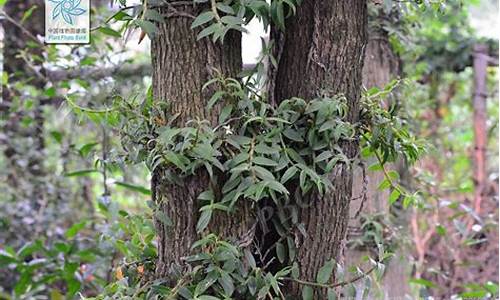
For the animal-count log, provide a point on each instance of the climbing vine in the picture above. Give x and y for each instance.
(256, 152)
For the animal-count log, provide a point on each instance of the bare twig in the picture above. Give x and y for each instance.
(23, 29)
(333, 285)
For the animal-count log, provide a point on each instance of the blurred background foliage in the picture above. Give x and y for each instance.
(75, 216)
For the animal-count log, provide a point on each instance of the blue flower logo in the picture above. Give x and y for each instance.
(68, 9)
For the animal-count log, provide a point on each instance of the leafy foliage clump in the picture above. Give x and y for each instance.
(255, 152)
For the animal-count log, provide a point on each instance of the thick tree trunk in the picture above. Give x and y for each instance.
(181, 66)
(323, 51)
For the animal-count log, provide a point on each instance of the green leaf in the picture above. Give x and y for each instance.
(366, 152)
(208, 31)
(225, 8)
(327, 126)
(323, 156)
(385, 184)
(57, 135)
(423, 282)
(331, 294)
(303, 180)
(441, 230)
(147, 26)
(280, 14)
(393, 175)
(325, 272)
(74, 229)
(120, 16)
(62, 247)
(73, 287)
(408, 200)
(206, 297)
(203, 220)
(375, 167)
(264, 149)
(28, 13)
(280, 252)
(207, 196)
(29, 248)
(154, 15)
(6, 258)
(225, 113)
(109, 31)
(278, 187)
(227, 284)
(231, 20)
(85, 149)
(50, 92)
(491, 287)
(307, 293)
(263, 173)
(293, 135)
(479, 294)
(394, 196)
(288, 174)
(260, 160)
(134, 187)
(81, 173)
(175, 159)
(22, 283)
(202, 19)
(56, 295)
(291, 247)
(295, 270)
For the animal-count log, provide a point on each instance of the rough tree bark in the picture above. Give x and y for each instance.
(181, 66)
(323, 49)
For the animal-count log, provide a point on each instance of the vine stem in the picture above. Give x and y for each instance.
(214, 10)
(89, 110)
(250, 159)
(384, 170)
(23, 29)
(333, 285)
(145, 8)
(386, 174)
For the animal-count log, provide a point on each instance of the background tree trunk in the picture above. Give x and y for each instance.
(15, 41)
(181, 66)
(381, 66)
(24, 189)
(323, 51)
(480, 66)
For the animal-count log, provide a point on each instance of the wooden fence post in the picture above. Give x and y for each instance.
(480, 64)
